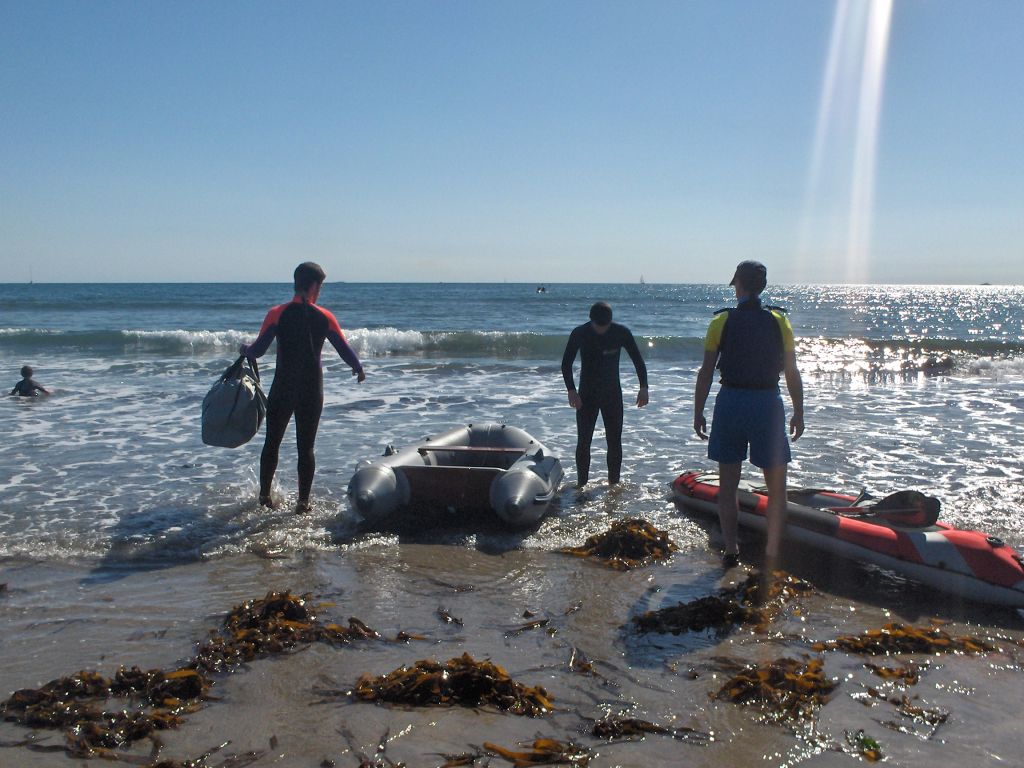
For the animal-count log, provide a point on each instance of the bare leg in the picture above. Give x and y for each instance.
(775, 479)
(728, 504)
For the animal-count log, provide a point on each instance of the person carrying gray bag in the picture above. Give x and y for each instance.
(234, 408)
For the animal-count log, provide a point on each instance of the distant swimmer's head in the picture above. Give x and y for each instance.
(26, 372)
(750, 276)
(309, 275)
(601, 316)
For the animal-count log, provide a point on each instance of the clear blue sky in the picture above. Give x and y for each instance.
(524, 141)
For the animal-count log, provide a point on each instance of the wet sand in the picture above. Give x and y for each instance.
(55, 620)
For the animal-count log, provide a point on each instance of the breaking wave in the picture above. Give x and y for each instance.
(816, 355)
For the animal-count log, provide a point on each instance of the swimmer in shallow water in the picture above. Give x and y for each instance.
(28, 387)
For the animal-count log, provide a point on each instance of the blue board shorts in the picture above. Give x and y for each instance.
(753, 417)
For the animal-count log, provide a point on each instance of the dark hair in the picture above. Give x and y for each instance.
(601, 313)
(26, 371)
(308, 274)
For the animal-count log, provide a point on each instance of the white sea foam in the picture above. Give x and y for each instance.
(196, 340)
(383, 341)
(998, 367)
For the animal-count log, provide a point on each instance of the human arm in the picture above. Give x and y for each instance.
(267, 333)
(705, 376)
(633, 351)
(795, 385)
(568, 358)
(342, 347)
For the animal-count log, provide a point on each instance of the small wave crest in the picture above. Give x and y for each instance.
(368, 342)
(816, 355)
(997, 367)
(178, 341)
(181, 340)
(379, 342)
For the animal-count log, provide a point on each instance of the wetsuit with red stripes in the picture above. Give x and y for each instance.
(300, 329)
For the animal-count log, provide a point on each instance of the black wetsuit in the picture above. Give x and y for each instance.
(27, 388)
(298, 387)
(600, 390)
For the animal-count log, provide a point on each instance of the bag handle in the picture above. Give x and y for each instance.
(235, 369)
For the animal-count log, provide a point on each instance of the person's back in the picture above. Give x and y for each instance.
(28, 387)
(751, 346)
(300, 327)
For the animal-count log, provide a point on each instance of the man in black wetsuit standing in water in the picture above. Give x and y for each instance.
(599, 343)
(301, 327)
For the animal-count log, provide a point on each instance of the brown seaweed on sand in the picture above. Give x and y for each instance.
(904, 638)
(272, 625)
(617, 728)
(65, 704)
(535, 624)
(749, 603)
(787, 689)
(906, 706)
(157, 698)
(627, 544)
(461, 681)
(620, 728)
(543, 752)
(909, 674)
(447, 618)
(230, 761)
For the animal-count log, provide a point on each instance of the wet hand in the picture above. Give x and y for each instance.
(574, 399)
(242, 349)
(642, 398)
(700, 426)
(796, 426)
(360, 375)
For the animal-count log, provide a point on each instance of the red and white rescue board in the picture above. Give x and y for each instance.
(966, 563)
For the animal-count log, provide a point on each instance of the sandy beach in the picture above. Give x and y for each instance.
(62, 619)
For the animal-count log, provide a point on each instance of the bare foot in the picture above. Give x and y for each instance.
(302, 507)
(268, 502)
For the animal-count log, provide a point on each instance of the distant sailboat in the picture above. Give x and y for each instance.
(642, 280)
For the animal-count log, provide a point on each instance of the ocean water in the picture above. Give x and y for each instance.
(122, 537)
(111, 466)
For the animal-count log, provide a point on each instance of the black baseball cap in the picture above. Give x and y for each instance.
(753, 275)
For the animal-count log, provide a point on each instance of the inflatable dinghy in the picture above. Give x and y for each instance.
(901, 535)
(478, 466)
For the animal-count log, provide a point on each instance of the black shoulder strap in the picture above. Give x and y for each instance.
(724, 309)
(783, 310)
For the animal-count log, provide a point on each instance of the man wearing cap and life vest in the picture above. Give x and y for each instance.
(751, 345)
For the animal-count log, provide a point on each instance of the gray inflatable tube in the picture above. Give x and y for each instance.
(477, 466)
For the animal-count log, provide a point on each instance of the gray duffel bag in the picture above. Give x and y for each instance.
(234, 407)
